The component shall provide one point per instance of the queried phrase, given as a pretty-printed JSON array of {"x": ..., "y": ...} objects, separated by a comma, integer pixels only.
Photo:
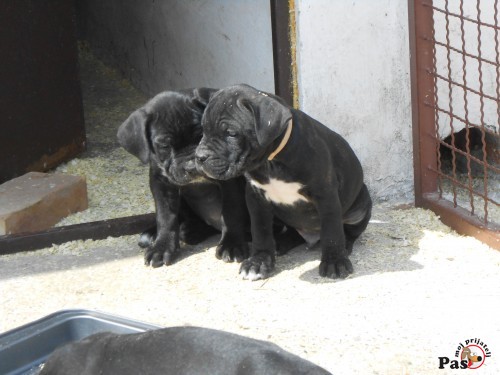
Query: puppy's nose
[
  {"x": 201, "y": 156},
  {"x": 190, "y": 166}
]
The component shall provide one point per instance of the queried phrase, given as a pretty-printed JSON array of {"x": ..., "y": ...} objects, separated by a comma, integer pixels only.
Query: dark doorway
[{"x": 40, "y": 99}]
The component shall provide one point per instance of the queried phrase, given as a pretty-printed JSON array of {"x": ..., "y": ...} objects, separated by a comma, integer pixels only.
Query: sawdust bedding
[
  {"x": 117, "y": 182},
  {"x": 463, "y": 197},
  {"x": 415, "y": 281},
  {"x": 405, "y": 305}
]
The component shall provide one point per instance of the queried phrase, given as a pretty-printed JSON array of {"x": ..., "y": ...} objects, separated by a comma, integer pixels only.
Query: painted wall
[
  {"x": 354, "y": 76},
  {"x": 173, "y": 44},
  {"x": 353, "y": 63}
]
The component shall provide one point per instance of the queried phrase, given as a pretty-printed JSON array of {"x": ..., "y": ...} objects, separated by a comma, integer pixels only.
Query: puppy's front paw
[
  {"x": 339, "y": 268},
  {"x": 232, "y": 252},
  {"x": 157, "y": 258},
  {"x": 257, "y": 267}
]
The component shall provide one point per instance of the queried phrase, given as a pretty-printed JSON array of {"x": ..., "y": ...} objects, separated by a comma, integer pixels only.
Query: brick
[{"x": 36, "y": 201}]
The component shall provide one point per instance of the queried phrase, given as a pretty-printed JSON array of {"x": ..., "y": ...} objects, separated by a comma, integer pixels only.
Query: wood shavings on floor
[
  {"x": 117, "y": 182},
  {"x": 415, "y": 281},
  {"x": 418, "y": 288}
]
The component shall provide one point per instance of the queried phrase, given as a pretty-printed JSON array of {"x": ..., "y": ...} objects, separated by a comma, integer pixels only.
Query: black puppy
[
  {"x": 176, "y": 350},
  {"x": 296, "y": 168},
  {"x": 165, "y": 133}
]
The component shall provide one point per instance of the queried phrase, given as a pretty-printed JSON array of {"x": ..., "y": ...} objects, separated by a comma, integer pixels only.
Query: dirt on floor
[{"x": 418, "y": 288}]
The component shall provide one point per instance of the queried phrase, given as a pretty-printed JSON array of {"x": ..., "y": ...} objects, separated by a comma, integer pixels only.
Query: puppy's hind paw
[
  {"x": 340, "y": 268},
  {"x": 257, "y": 267},
  {"x": 232, "y": 253}
]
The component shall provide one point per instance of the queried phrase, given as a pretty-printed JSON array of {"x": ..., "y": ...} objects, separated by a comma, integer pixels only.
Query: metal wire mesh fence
[{"x": 456, "y": 92}]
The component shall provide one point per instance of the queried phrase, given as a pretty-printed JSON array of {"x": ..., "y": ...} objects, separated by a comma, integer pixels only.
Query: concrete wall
[
  {"x": 173, "y": 44},
  {"x": 353, "y": 63},
  {"x": 354, "y": 76}
]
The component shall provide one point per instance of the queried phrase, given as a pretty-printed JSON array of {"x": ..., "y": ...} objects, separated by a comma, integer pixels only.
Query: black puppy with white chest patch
[
  {"x": 296, "y": 168},
  {"x": 165, "y": 133}
]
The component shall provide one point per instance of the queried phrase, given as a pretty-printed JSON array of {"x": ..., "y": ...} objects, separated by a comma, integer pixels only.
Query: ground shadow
[
  {"x": 388, "y": 245},
  {"x": 366, "y": 261},
  {"x": 78, "y": 256}
]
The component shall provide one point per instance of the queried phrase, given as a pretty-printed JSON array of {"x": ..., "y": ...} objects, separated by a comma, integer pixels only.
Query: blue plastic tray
[{"x": 23, "y": 349}]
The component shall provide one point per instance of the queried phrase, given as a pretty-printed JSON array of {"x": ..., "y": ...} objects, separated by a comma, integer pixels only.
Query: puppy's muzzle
[
  {"x": 201, "y": 156},
  {"x": 210, "y": 165},
  {"x": 190, "y": 167}
]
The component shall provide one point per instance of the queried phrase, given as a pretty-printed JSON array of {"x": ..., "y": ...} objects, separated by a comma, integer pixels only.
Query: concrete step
[{"x": 36, "y": 201}]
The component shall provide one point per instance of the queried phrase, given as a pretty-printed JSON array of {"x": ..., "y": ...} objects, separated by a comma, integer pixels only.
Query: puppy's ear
[
  {"x": 202, "y": 96},
  {"x": 132, "y": 135},
  {"x": 270, "y": 116}
]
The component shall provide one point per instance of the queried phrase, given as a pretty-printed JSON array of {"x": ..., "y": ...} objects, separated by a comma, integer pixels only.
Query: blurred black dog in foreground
[{"x": 176, "y": 351}]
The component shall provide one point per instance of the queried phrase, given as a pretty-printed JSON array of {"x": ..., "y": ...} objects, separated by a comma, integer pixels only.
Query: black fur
[
  {"x": 189, "y": 206},
  {"x": 176, "y": 351}
]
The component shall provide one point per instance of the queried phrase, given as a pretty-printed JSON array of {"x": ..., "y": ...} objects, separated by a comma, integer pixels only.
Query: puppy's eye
[
  {"x": 162, "y": 146},
  {"x": 230, "y": 133},
  {"x": 162, "y": 141}
]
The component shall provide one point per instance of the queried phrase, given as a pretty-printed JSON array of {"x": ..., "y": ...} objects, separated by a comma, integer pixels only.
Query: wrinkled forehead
[
  {"x": 174, "y": 111},
  {"x": 169, "y": 104},
  {"x": 227, "y": 105}
]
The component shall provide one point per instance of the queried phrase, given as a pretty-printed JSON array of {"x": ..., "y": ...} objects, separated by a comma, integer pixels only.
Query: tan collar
[{"x": 283, "y": 142}]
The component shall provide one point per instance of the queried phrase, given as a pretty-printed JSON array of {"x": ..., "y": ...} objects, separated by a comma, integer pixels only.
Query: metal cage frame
[{"x": 429, "y": 174}]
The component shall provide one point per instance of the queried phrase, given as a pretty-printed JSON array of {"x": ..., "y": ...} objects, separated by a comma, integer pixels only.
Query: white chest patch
[{"x": 281, "y": 192}]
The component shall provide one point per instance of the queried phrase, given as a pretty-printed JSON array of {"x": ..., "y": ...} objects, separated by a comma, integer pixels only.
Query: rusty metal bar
[
  {"x": 436, "y": 113},
  {"x": 463, "y": 120},
  {"x": 463, "y": 52},
  {"x": 478, "y": 161},
  {"x": 426, "y": 4},
  {"x": 466, "y": 104},
  {"x": 450, "y": 98},
  {"x": 462, "y": 185},
  {"x": 481, "y": 109},
  {"x": 462, "y": 221},
  {"x": 464, "y": 87},
  {"x": 423, "y": 115}
]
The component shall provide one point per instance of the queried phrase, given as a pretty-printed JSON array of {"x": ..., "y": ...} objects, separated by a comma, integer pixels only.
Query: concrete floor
[{"x": 418, "y": 291}]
